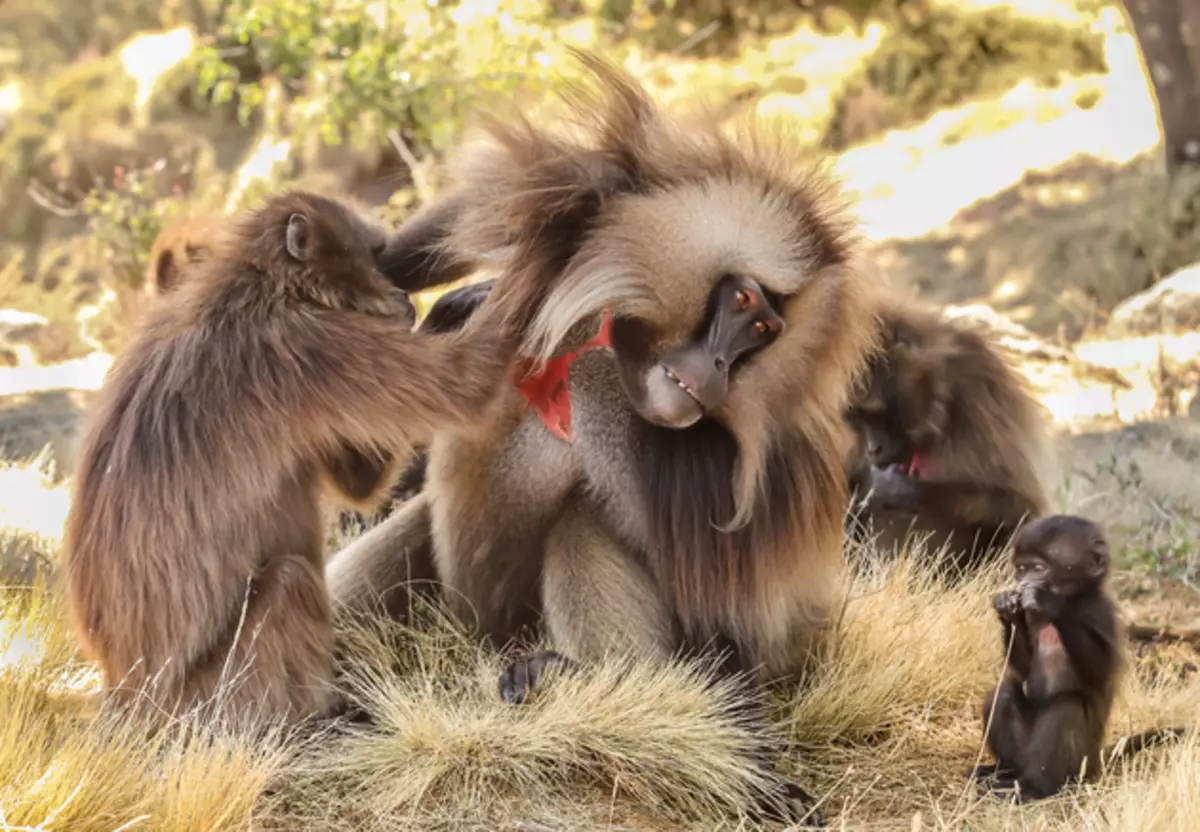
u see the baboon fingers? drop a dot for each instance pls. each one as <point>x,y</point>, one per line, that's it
<point>1003,787</point>
<point>415,257</point>
<point>982,772</point>
<point>791,804</point>
<point>520,679</point>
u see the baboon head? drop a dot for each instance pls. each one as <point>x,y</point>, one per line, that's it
<point>726,262</point>
<point>902,408</point>
<point>176,249</point>
<point>320,250</point>
<point>1063,554</point>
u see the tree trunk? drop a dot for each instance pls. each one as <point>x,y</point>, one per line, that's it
<point>1168,34</point>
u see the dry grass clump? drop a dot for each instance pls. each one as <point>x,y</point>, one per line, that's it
<point>67,764</point>
<point>903,627</point>
<point>447,750</point>
<point>1152,793</point>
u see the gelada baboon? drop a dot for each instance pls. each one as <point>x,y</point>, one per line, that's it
<point>200,469</point>
<point>1047,717</point>
<point>687,488</point>
<point>1045,721</point>
<point>952,444</point>
<point>176,254</point>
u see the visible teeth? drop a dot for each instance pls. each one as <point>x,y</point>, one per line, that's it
<point>682,386</point>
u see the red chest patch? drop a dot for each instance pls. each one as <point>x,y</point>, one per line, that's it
<point>913,469</point>
<point>547,391</point>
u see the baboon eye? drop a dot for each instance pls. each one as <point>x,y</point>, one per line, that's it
<point>763,327</point>
<point>743,299</point>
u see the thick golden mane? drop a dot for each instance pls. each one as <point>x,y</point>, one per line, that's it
<point>534,195</point>
<point>641,211</point>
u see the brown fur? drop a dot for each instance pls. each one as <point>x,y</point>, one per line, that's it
<point>1048,716</point>
<point>353,475</point>
<point>198,478</point>
<point>946,393</point>
<point>448,314</point>
<point>729,528</point>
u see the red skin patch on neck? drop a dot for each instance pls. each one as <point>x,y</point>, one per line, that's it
<point>547,391</point>
<point>1048,636</point>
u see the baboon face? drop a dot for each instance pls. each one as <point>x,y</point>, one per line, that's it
<point>733,307</point>
<point>877,416</point>
<point>1062,554</point>
<point>732,274</point>
<point>166,273</point>
<point>902,410</point>
<point>677,384</point>
<point>176,250</point>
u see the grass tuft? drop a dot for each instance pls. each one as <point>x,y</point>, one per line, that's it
<point>663,738</point>
<point>66,762</point>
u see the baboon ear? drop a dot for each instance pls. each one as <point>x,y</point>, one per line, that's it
<point>165,271</point>
<point>1097,563</point>
<point>299,237</point>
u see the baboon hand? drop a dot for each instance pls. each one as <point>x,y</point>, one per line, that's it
<point>794,806</point>
<point>521,677</point>
<point>1039,603</point>
<point>1007,605</point>
<point>1005,788</point>
<point>982,772</point>
<point>893,490</point>
<point>989,780</point>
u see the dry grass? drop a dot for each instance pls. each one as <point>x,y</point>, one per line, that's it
<point>883,732</point>
<point>66,763</point>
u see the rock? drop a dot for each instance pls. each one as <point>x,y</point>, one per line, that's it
<point>1172,304</point>
<point>1028,348</point>
<point>19,331</point>
<point>16,319</point>
<point>1007,333</point>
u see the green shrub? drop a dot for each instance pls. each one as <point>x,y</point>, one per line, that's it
<point>123,220</point>
<point>356,69</point>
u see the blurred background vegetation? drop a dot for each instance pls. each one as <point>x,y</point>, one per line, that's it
<point>119,116</point>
